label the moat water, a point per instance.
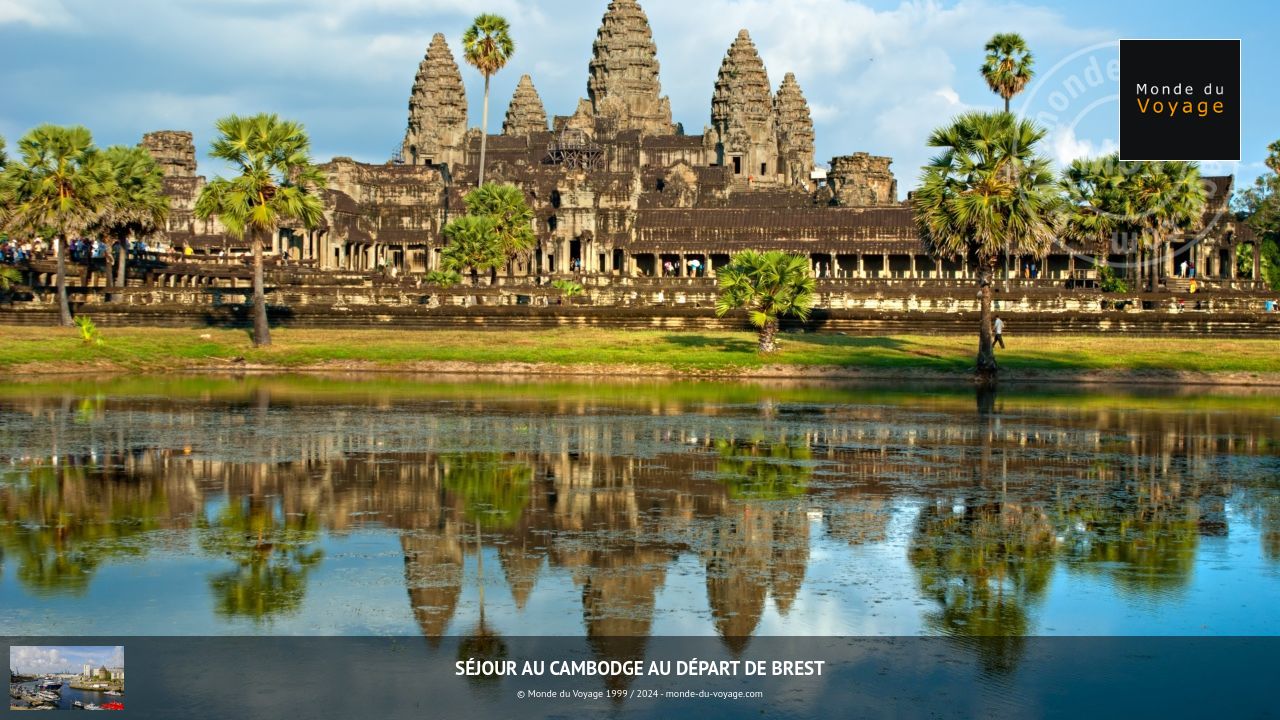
(325, 506)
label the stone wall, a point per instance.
(862, 180)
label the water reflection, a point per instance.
(272, 552)
(621, 513)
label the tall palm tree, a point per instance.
(987, 193)
(769, 286)
(1008, 66)
(473, 244)
(277, 183)
(138, 204)
(60, 184)
(487, 46)
(1169, 196)
(513, 220)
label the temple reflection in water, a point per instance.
(642, 510)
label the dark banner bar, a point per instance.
(559, 677)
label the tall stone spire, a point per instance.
(623, 84)
(795, 133)
(743, 132)
(525, 114)
(437, 110)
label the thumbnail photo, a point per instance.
(62, 677)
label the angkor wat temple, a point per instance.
(617, 187)
(627, 204)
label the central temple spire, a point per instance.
(623, 83)
(743, 121)
(437, 110)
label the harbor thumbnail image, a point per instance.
(65, 677)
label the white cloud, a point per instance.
(37, 13)
(36, 660)
(877, 80)
(823, 112)
(1067, 147)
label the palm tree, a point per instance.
(1008, 67)
(60, 185)
(487, 46)
(9, 277)
(5, 196)
(277, 183)
(1168, 197)
(986, 194)
(138, 204)
(473, 244)
(769, 285)
(513, 220)
(1095, 210)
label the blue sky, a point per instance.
(879, 75)
(42, 659)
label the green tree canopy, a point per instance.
(473, 244)
(138, 204)
(513, 220)
(60, 184)
(1097, 203)
(1008, 66)
(1259, 206)
(986, 194)
(277, 183)
(1168, 197)
(769, 286)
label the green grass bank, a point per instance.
(42, 351)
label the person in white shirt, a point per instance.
(999, 328)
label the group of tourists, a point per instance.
(693, 266)
(1187, 270)
(13, 252)
(83, 250)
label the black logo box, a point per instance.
(1194, 65)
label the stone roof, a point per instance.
(816, 229)
(1218, 188)
(623, 83)
(672, 142)
(526, 113)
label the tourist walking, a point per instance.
(999, 328)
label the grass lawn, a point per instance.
(157, 349)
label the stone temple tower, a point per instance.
(623, 84)
(795, 133)
(437, 110)
(525, 114)
(744, 133)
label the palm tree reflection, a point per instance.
(272, 554)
